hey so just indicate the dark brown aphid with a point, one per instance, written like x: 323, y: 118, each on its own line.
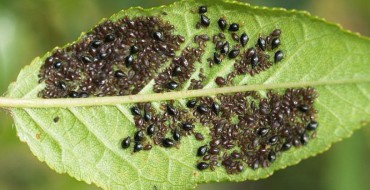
x: 202, y: 9
x: 234, y: 27
x: 191, y: 103
x: 235, y: 36
x: 148, y: 147
x: 202, y: 109
x: 202, y: 150
x: 151, y: 130
x: 135, y: 111
x: 244, y: 38
x: 176, y: 135
x: 204, y: 20
x: 262, y: 43
x: 225, y: 48
x: 279, y: 55
x: 126, y: 142
x: 171, y: 110
x: 138, y: 147
x: 172, y: 85
x: 187, y: 126
x: 276, y: 32
x: 217, y: 58
x: 110, y: 38
x: 167, y: 142
x: 222, y: 23
x: 202, y: 166
x: 220, y: 81
x: 199, y: 136
x: 234, y: 53
x: 312, y: 126
x: 158, y: 36
x: 139, y: 136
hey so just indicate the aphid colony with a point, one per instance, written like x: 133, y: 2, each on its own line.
x: 246, y: 129
x: 114, y: 59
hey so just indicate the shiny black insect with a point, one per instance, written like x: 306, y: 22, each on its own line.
x: 135, y: 111
x: 129, y: 60
x: 191, y: 103
x: 216, y: 108
x: 222, y: 23
x: 271, y: 156
x: 286, y: 146
x: 217, y: 58
x: 234, y: 53
x: 244, y: 38
x: 225, y: 48
x: 138, y: 147
x: 261, y: 43
x: 176, y: 135
x: 158, y: 36
x: 126, y: 142
x: 312, y: 126
x: 74, y: 94
x: 151, y: 130
x: 176, y: 71
x: 202, y: 9
x: 255, y: 60
x: 263, y: 131
x: 147, y: 115
x: 275, y: 43
x: 234, y: 27
x: 119, y: 74
x: 139, y: 136
x: 171, y: 110
x: 202, y: 150
x: 134, y: 49
x: 172, y: 85
x: 202, y: 166
x: 279, y: 55
x: 202, y: 109
x: 204, y: 20
x: 167, y: 142
x: 110, y: 38
x: 96, y: 43
x: 187, y: 126
x: 57, y: 64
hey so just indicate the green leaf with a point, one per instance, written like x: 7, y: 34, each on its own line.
x: 85, y: 142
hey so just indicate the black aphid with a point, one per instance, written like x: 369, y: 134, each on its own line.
x: 225, y: 48
x: 96, y: 43
x: 234, y: 27
x: 204, y: 20
x: 84, y: 95
x: 261, y: 43
x: 138, y: 146
x: 139, y: 136
x: 263, y: 131
x: 312, y: 126
x: 244, y: 38
x: 129, y: 60
x: 74, y: 94
x: 279, y: 55
x: 254, y: 60
x: 202, y: 9
x: 275, y: 43
x: 202, y: 109
x: 62, y: 85
x: 57, y: 64
x: 191, y: 103
x: 134, y: 49
x: 222, y: 23
x: 176, y: 71
x: 202, y: 150
x: 171, y: 110
x: 135, y: 111
x: 234, y: 53
x: 273, y: 140
x: 172, y: 85
x: 167, y: 142
x: 176, y: 135
x: 110, y: 38
x: 158, y: 36
x: 286, y: 146
x: 217, y: 58
x: 86, y: 59
x: 216, y: 108
x: 202, y: 166
x: 56, y: 119
x: 119, y: 74
x: 303, y: 108
x: 304, y: 138
x: 126, y: 142
x: 187, y: 126
x: 151, y: 130
x: 272, y: 156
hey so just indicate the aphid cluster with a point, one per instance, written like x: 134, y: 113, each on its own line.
x: 114, y: 59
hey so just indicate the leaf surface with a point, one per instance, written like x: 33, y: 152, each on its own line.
x: 85, y: 142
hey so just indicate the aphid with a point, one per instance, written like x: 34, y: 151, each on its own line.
x: 167, y: 142
x: 126, y: 142
x: 261, y: 43
x: 215, y: 108
x: 202, y: 9
x: 57, y: 64
x: 216, y: 58
x: 199, y: 136
x: 303, y: 108
x: 234, y: 53
x: 62, y: 85
x: 74, y: 94
x: 96, y: 43
x: 151, y: 130
x: 235, y: 36
x: 135, y: 111
x: 234, y: 27
x: 204, y: 20
x: 312, y: 126
x: 304, y: 138
x: 84, y: 95
x: 202, y: 166
x: 202, y: 109
x: 255, y: 165
x: 172, y: 85
x: 225, y: 48
x: 119, y: 74
x: 263, y: 131
x: 158, y: 36
x: 202, y: 150
x: 86, y: 59
x: 276, y: 32
x: 279, y: 55
x: 110, y: 38
x: 176, y: 71
x: 272, y: 156
x: 214, y: 150
x: 148, y: 147
x: 187, y: 126
x: 191, y: 103
x: 171, y: 110
x: 275, y: 43
x: 176, y: 135
x: 273, y: 140
x: 129, y: 60
x: 244, y: 38
x: 139, y: 136
x: 56, y: 119
x: 134, y: 49
x: 138, y: 147
x: 222, y: 23
x: 254, y: 60
x: 286, y: 146
x: 220, y: 81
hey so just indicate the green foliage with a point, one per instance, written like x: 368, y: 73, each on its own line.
x: 85, y: 143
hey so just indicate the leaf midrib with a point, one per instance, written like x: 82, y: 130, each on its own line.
x: 114, y: 100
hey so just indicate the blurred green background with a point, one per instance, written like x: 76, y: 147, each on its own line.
x: 29, y: 28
